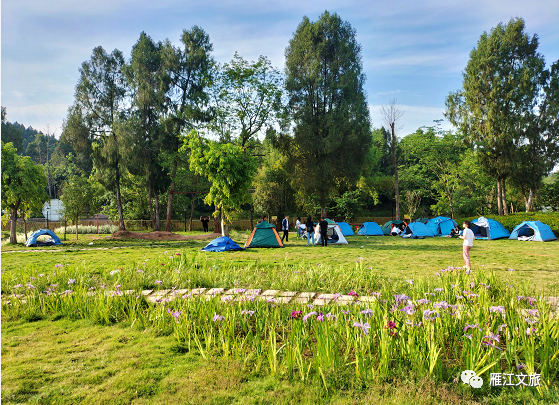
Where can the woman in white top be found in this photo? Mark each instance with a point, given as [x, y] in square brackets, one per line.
[468, 237]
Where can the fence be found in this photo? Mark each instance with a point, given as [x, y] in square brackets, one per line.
[145, 225]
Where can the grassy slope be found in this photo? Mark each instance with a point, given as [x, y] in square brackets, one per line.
[67, 362]
[77, 362]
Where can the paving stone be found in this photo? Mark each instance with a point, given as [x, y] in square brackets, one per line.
[324, 299]
[283, 300]
[181, 292]
[253, 292]
[215, 291]
[303, 298]
[270, 293]
[197, 291]
[146, 292]
[367, 298]
[287, 294]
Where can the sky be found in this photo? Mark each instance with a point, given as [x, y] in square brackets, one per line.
[412, 51]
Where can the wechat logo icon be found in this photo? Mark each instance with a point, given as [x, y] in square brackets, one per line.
[470, 377]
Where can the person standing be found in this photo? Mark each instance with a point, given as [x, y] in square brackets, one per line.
[310, 230]
[205, 221]
[298, 226]
[323, 231]
[285, 228]
[468, 237]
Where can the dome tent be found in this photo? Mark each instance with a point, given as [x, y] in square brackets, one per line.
[370, 229]
[264, 235]
[441, 226]
[346, 229]
[533, 230]
[488, 229]
[387, 227]
[222, 244]
[417, 230]
[334, 234]
[53, 240]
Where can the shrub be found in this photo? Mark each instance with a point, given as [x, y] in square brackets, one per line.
[88, 229]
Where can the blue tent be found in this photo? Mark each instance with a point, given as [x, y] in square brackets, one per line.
[489, 229]
[533, 230]
[370, 229]
[346, 229]
[222, 244]
[32, 240]
[441, 226]
[417, 230]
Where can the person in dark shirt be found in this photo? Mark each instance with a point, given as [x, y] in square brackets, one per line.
[205, 221]
[323, 231]
[310, 230]
[285, 228]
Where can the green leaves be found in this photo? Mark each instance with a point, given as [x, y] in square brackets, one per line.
[227, 166]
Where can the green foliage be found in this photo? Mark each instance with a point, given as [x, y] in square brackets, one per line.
[508, 106]
[80, 196]
[325, 88]
[347, 205]
[23, 184]
[229, 169]
[247, 97]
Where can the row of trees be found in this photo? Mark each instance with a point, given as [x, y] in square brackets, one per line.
[171, 120]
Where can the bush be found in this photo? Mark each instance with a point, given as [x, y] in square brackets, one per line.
[88, 229]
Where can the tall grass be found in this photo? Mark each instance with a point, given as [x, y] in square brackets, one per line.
[462, 321]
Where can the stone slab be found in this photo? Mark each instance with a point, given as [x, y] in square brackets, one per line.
[270, 293]
[287, 294]
[197, 291]
[146, 292]
[215, 291]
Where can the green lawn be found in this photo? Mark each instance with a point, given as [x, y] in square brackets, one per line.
[63, 361]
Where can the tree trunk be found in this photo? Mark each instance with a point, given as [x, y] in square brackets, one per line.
[529, 201]
[217, 225]
[157, 213]
[191, 213]
[504, 192]
[24, 227]
[499, 203]
[224, 228]
[395, 161]
[322, 211]
[121, 225]
[251, 212]
[150, 205]
[77, 223]
[170, 201]
[13, 224]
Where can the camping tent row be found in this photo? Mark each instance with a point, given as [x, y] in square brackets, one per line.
[264, 234]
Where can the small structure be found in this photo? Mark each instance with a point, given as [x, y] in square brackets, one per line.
[488, 229]
[441, 226]
[387, 227]
[417, 230]
[346, 229]
[53, 240]
[222, 244]
[370, 229]
[533, 230]
[264, 235]
[334, 234]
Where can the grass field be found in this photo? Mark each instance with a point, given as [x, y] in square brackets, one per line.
[59, 356]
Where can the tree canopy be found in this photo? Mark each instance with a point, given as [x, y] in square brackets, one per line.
[324, 84]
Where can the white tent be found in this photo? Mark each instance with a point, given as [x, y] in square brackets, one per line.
[335, 235]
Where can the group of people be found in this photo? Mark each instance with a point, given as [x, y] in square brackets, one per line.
[309, 227]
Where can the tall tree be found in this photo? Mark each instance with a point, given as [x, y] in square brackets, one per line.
[500, 108]
[23, 184]
[190, 68]
[11, 133]
[247, 98]
[78, 196]
[391, 115]
[93, 120]
[149, 83]
[324, 82]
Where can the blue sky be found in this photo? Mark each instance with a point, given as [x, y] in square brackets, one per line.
[414, 51]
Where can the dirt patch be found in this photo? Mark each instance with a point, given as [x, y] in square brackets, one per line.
[161, 235]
